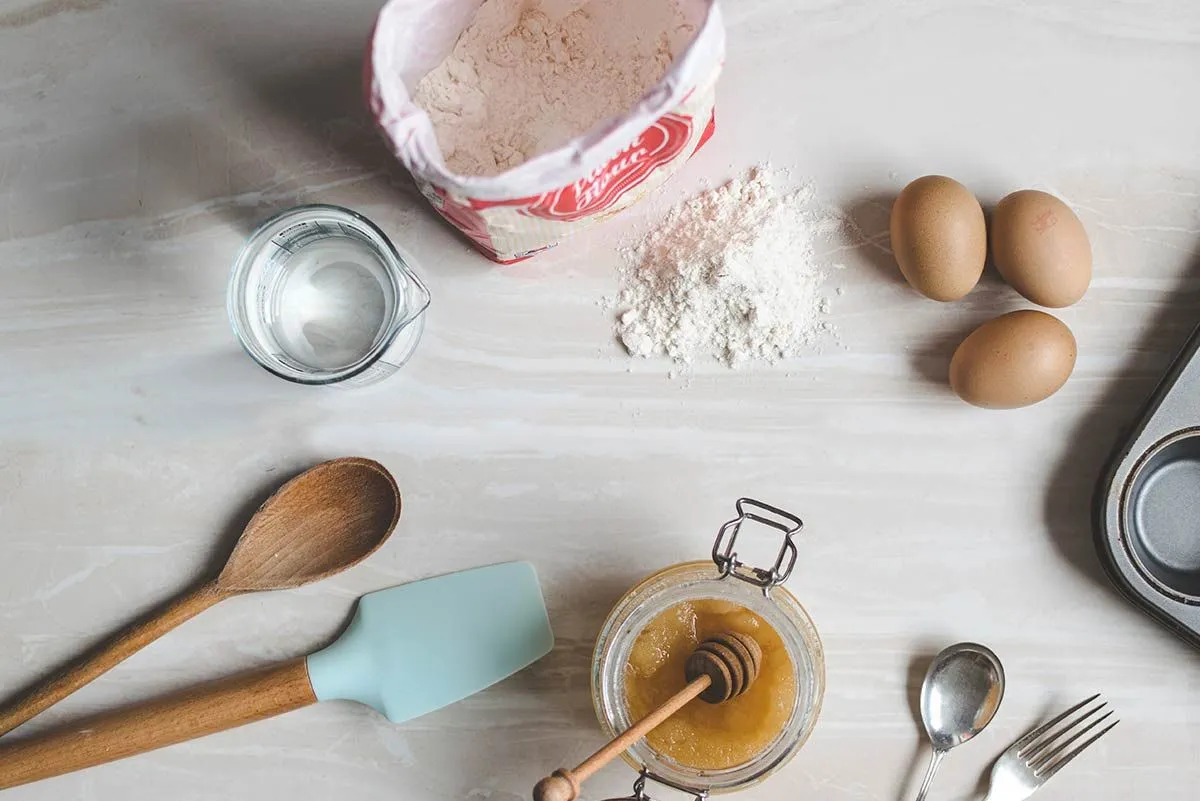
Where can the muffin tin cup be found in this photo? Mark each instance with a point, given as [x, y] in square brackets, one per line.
[1148, 503]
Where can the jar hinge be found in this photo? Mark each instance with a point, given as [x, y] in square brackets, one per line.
[725, 557]
[644, 775]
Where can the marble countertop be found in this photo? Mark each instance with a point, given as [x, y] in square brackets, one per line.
[141, 140]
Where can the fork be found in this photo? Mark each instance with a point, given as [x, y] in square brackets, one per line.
[1031, 761]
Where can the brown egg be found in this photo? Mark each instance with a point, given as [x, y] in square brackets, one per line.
[939, 237]
[1015, 360]
[1041, 249]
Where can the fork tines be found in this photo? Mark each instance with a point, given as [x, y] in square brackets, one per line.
[1043, 748]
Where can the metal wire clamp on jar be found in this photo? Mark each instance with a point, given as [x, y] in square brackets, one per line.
[723, 578]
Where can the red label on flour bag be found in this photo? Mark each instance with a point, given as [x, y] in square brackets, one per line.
[658, 145]
[534, 206]
[588, 198]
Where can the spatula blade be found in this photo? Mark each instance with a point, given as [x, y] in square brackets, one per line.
[418, 647]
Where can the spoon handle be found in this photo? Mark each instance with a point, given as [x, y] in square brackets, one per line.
[70, 678]
[934, 762]
[184, 715]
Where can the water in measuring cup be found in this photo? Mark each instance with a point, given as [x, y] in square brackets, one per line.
[335, 299]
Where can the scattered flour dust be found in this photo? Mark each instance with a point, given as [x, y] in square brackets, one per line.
[528, 76]
[731, 274]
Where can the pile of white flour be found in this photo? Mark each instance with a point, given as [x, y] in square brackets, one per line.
[528, 76]
[731, 273]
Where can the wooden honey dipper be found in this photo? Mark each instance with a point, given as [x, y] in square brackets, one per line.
[721, 667]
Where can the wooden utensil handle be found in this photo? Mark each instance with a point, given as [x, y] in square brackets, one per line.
[564, 784]
[133, 639]
[172, 719]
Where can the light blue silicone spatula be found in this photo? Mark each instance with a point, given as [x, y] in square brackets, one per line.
[408, 650]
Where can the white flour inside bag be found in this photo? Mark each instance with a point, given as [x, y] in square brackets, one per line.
[731, 274]
[527, 76]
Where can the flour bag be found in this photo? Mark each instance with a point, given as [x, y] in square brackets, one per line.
[525, 184]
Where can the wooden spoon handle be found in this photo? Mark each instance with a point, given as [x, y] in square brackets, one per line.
[172, 719]
[563, 785]
[133, 639]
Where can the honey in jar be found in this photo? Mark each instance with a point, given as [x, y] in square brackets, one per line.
[701, 735]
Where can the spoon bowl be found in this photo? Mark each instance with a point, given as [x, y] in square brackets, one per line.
[322, 522]
[961, 693]
[962, 690]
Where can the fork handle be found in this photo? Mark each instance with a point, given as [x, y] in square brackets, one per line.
[934, 763]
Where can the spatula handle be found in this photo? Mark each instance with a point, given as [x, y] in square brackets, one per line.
[133, 639]
[172, 719]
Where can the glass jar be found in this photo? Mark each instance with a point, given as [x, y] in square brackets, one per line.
[723, 578]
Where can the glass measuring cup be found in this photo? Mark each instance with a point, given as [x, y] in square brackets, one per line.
[320, 295]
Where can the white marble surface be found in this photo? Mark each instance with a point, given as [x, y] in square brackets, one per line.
[140, 138]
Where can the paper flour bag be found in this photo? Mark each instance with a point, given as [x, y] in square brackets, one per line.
[512, 211]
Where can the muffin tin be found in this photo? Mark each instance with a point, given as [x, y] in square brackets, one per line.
[1148, 503]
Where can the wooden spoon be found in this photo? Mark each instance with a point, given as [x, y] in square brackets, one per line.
[721, 667]
[321, 522]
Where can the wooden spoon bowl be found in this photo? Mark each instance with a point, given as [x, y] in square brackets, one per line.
[322, 522]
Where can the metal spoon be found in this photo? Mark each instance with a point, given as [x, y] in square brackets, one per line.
[961, 693]
[320, 523]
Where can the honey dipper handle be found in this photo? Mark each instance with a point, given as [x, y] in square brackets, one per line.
[563, 785]
[133, 639]
[181, 716]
